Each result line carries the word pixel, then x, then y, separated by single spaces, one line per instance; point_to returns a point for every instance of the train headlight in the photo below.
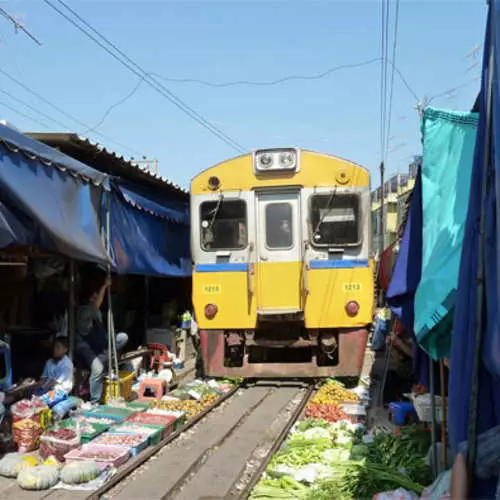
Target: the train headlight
pixel 276 160
pixel 210 311
pixel 265 160
pixel 352 308
pixel 287 160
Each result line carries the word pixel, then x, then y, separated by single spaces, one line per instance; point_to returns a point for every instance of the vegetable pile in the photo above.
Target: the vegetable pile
pixel 325 458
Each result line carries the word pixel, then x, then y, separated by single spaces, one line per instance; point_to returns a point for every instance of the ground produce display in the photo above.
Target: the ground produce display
pixel 328 457
pixel 95 438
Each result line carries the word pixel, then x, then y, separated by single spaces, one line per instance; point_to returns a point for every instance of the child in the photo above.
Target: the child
pixel 58 371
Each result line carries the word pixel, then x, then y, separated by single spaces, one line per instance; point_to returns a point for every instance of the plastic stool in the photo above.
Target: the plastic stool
pixel 402 413
pixel 158 386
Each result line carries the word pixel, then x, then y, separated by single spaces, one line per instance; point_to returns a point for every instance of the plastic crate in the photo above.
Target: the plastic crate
pixel 112 412
pixel 168 421
pixel 155 435
pixel 120 454
pixel 141 439
pixel 126 383
pixel 180 416
pixel 70 423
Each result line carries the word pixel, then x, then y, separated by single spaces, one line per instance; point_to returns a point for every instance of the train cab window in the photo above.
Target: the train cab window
pixel 223 225
pixel 279 225
pixel 335 219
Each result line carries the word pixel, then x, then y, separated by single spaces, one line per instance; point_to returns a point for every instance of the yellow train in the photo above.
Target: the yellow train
pixel 282 275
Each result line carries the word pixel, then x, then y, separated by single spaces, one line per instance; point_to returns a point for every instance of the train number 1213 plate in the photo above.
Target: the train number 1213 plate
pixel 210 289
pixel 352 287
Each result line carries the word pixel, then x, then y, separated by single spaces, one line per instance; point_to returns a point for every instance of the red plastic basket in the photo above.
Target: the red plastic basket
pixel 117 455
pixel 168 421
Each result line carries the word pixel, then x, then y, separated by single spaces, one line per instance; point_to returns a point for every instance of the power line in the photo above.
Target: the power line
pixel 391 91
pixel 18 26
pixel 63 112
pixel 132 66
pixel 115 105
pixel 41 113
pixel 24 115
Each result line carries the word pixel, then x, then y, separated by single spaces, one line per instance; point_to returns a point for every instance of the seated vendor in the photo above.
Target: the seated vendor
pixel 92 335
pixel 58 371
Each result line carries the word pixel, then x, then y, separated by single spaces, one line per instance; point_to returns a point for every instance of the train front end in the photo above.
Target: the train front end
pixel 282 277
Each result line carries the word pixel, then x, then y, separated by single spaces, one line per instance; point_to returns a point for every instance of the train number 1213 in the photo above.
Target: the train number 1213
pixel 352 287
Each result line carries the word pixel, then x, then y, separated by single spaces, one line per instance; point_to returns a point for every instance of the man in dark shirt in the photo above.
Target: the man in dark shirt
pixel 92 335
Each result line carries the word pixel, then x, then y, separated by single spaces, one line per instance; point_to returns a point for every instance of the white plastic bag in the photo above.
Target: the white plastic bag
pixel 80 472
pixel 399 494
pixel 38 478
pixel 13 463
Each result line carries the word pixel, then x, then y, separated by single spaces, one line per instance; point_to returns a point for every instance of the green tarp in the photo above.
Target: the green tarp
pixel 449 139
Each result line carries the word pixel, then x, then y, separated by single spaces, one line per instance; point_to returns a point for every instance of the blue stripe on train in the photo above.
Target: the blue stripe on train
pixel 338 264
pixel 222 268
pixel 314 264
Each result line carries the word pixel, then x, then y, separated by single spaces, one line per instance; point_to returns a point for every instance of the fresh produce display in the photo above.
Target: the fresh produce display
pixel 88 430
pixel 13 463
pixel 130 440
pixel 189 407
pixel 323 411
pixel 80 472
pixel 104 456
pixel 38 478
pixel 326 458
pixel 334 392
pixel 57 442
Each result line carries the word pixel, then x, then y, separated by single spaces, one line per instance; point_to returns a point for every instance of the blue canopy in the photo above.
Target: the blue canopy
pixel 58 197
pixel 464 327
pixel 142 243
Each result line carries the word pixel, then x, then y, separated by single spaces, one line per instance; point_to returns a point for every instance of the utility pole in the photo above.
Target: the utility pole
pixel 382 230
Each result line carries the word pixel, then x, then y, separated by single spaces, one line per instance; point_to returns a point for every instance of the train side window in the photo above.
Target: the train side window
pixel 335 219
pixel 223 225
pixel 279 232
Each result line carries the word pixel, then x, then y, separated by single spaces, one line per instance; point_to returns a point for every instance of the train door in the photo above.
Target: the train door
pixel 279 253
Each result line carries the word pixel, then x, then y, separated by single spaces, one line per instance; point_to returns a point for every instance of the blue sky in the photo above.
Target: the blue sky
pixel 241 40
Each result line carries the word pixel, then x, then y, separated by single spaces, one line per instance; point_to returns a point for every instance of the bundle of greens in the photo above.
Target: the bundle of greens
pixel 284 488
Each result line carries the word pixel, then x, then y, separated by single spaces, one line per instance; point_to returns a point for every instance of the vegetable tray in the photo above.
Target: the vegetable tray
pixel 180 416
pixel 168 421
pixel 113 439
pixel 114 413
pixel 104 456
pixel 86 436
pixel 155 435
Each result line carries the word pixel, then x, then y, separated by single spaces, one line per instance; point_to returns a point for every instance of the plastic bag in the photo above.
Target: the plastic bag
pixel 399 494
pixel 80 472
pixel 27 423
pixel 42 477
pixel 59 441
pixel 13 463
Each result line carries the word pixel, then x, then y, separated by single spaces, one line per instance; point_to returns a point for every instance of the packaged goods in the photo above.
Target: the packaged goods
pixel 59 441
pixel 27 423
pixel 38 478
pixel 13 463
pixel 80 472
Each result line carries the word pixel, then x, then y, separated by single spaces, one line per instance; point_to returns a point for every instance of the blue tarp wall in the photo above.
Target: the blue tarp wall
pixel 464 329
pixel 53 201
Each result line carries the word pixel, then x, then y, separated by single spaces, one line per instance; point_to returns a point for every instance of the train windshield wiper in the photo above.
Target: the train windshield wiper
pixel 327 209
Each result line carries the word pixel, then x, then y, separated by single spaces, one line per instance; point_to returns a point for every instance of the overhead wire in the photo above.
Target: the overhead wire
pixel 63 112
pixel 135 68
pixel 24 115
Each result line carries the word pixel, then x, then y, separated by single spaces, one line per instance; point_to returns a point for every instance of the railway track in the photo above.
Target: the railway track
pixel 224 454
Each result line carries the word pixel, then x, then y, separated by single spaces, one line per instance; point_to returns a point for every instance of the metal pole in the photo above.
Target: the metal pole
pixel 146 306
pixel 71 309
pixel 382 230
pixel 432 389
pixel 444 451
pixel 471 436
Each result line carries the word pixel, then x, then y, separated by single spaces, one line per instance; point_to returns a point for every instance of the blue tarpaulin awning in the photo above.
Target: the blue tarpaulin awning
pixel 142 243
pixel 58 197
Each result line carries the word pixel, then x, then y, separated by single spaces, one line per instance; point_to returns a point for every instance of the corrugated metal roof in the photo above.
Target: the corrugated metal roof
pixel 97 156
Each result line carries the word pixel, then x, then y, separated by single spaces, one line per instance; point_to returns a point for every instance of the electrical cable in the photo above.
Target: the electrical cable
pixel 132 66
pixel 24 115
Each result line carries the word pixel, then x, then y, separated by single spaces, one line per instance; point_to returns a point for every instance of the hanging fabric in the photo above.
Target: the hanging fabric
pixel 449 139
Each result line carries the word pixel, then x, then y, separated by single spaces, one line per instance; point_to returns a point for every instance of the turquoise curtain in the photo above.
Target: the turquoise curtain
pixel 449 140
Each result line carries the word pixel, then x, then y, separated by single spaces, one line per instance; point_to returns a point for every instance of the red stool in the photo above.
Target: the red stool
pixel 155 386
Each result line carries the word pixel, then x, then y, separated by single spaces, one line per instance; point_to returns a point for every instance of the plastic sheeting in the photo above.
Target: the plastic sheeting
pixel 464 327
pixel 449 139
pixel 171 210
pixel 146 244
pixel 55 193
